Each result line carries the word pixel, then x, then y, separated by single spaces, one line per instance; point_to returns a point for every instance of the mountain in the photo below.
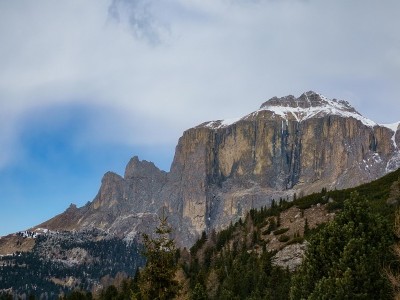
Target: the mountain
pixel 221 169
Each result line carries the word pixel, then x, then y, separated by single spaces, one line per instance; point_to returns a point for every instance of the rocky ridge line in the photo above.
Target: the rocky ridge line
pixel 221 169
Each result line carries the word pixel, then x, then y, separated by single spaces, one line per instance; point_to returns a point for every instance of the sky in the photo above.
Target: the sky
pixel 86 85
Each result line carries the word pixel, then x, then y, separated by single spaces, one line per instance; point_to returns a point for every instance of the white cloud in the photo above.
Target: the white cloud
pixel 158 67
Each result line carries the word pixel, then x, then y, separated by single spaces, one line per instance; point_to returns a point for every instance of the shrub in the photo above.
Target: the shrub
pixel 280 231
pixel 283 238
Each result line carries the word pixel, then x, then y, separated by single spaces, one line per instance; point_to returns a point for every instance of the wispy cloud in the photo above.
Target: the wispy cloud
pixel 140 19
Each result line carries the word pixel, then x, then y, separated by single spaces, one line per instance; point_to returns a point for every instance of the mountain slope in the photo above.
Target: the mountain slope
pixel 240 262
pixel 63 261
pixel 222 169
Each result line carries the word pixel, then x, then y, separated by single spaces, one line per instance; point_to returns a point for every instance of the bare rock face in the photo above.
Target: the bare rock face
pixel 289 145
pixel 290 257
pixel 123 206
pixel 221 169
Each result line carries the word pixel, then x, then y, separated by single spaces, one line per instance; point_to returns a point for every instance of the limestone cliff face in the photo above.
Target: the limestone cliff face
pixel 281 152
pixel 221 169
pixel 189 174
pixel 290 145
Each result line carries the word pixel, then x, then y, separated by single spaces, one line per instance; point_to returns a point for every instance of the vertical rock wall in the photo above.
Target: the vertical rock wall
pixel 224 172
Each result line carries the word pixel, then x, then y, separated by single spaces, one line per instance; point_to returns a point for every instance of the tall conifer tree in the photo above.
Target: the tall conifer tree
pixel 157 279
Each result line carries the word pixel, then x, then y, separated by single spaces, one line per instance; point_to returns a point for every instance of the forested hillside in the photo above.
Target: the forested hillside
pixel 345 237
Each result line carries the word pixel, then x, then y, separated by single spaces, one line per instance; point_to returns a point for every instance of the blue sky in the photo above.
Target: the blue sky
pixel 86 85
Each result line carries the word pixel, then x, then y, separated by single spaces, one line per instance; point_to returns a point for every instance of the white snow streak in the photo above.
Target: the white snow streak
pixel 394 128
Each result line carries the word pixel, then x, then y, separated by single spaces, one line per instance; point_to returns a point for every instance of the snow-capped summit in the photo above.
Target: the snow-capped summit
pixel 309 105
pixel 312 105
pixel 307 100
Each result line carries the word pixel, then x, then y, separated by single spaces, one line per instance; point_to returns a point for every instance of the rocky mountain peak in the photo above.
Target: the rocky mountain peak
pixel 72 207
pixel 110 177
pixel 312 105
pixel 308 100
pixel 308 105
pixel 143 168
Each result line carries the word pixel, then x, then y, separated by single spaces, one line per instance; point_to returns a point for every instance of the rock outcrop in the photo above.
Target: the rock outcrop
pixel 290 257
pixel 221 169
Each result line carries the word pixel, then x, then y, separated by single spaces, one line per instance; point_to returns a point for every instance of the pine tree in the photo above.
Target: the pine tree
pixel 157 279
pixel 278 222
pixel 306 227
pixel 199 293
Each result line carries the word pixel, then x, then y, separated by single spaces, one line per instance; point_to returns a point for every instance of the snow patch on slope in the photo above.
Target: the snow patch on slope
pixel 394 162
pixel 221 123
pixel 394 128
